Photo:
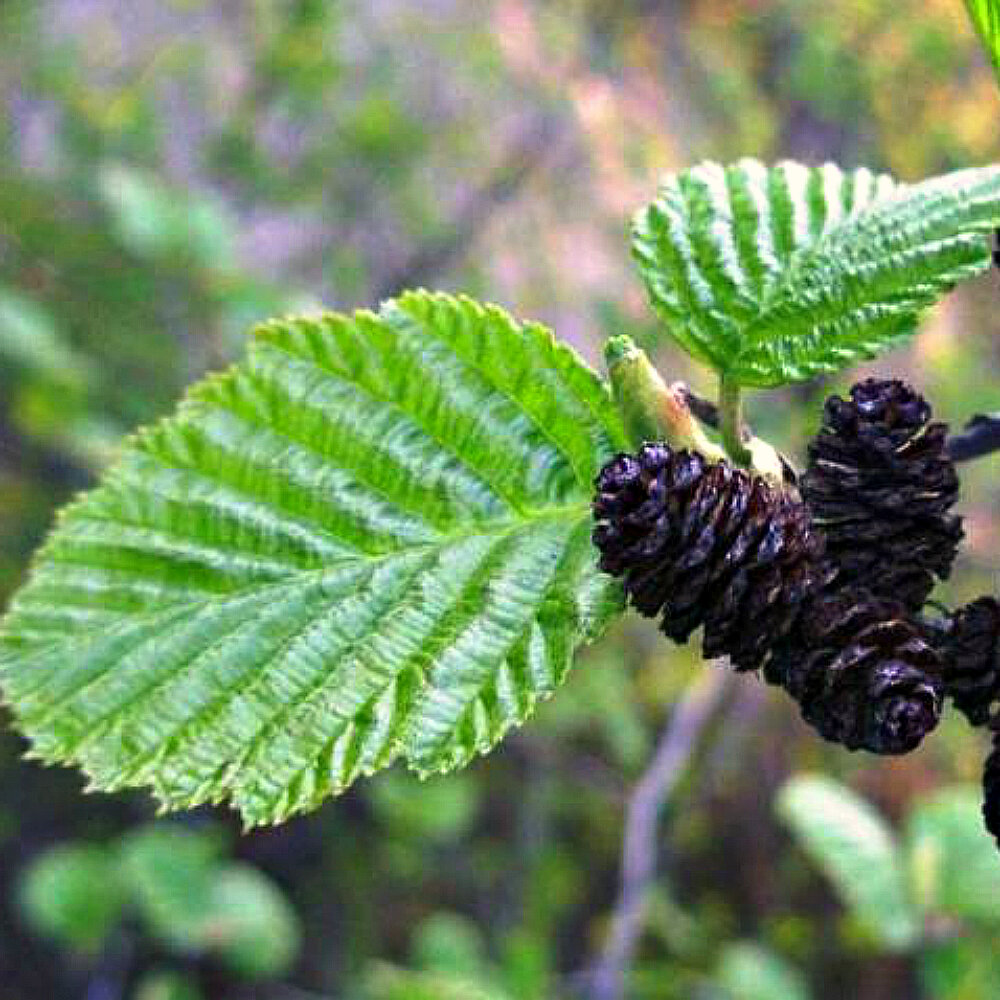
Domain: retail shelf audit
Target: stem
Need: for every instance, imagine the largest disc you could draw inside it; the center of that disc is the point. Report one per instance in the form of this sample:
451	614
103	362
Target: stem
731	421
702	706
981	436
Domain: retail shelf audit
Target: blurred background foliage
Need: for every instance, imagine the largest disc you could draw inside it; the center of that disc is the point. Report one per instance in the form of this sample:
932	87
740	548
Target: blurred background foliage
172	172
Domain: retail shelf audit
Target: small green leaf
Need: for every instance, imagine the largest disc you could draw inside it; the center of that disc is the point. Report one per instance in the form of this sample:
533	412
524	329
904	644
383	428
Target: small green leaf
985	16
389	982
370	540
248	922
73	894
156	221
438	810
777	275
169	872
166	986
966	968
750	972
449	944
847	839
953	858
29	338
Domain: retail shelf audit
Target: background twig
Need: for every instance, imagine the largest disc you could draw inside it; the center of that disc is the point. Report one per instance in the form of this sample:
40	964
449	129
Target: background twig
980	437
678	742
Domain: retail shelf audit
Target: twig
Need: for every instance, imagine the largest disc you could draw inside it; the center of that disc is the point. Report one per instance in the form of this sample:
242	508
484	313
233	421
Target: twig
678	743
704	409
980	437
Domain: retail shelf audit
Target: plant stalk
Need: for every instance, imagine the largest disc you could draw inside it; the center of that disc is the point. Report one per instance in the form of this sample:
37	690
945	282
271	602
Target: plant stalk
731	422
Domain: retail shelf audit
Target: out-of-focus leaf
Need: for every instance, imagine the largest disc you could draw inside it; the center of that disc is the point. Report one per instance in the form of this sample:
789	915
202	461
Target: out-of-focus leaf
249	923
985	15
166	986
749	972
435	810
449	944
29	337
388	982
169	871
73	894
154	220
953	859
967	968
848	840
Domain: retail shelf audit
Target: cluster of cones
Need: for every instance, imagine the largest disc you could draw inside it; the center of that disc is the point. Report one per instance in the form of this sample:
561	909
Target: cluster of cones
821	587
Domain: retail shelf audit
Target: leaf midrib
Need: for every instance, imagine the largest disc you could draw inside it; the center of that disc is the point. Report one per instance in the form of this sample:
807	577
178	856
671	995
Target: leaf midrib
498	528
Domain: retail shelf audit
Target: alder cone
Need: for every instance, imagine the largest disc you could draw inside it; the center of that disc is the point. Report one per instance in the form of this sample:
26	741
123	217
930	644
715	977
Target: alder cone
881	485
971	651
706	544
991	785
862	672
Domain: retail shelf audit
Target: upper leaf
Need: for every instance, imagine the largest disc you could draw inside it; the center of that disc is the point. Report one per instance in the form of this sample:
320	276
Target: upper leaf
368	540
985	15
777	275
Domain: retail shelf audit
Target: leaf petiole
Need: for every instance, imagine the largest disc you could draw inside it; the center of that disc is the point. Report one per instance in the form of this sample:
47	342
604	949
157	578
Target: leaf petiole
731	421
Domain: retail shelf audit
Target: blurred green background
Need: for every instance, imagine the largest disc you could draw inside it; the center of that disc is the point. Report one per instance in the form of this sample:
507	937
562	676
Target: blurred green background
172	172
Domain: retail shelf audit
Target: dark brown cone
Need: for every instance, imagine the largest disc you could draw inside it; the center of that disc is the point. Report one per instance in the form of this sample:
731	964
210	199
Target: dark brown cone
971	652
991	785
881	485
862	672
702	543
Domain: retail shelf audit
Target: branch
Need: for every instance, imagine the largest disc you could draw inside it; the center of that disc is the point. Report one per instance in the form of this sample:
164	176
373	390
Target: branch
704	409
678	743
980	437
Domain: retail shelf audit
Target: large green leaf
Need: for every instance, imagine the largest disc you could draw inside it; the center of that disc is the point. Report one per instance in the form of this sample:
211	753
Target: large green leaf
774	275
857	851
985	15
369	540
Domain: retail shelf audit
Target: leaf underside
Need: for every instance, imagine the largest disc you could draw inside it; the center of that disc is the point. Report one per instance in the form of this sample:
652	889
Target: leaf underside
368	541
776	275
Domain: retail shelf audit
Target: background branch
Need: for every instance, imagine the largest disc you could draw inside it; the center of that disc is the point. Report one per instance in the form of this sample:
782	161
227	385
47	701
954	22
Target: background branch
980	437
680	739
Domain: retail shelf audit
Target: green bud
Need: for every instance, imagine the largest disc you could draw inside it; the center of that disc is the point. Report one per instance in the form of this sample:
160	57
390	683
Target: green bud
650	409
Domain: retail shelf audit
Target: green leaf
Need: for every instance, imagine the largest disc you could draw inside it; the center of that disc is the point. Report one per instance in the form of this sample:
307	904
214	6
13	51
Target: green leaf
965	968
157	221
169	872
29	337
953	858
389	982
249	923
73	894
750	972
166	986
847	839
777	275
370	540
985	16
